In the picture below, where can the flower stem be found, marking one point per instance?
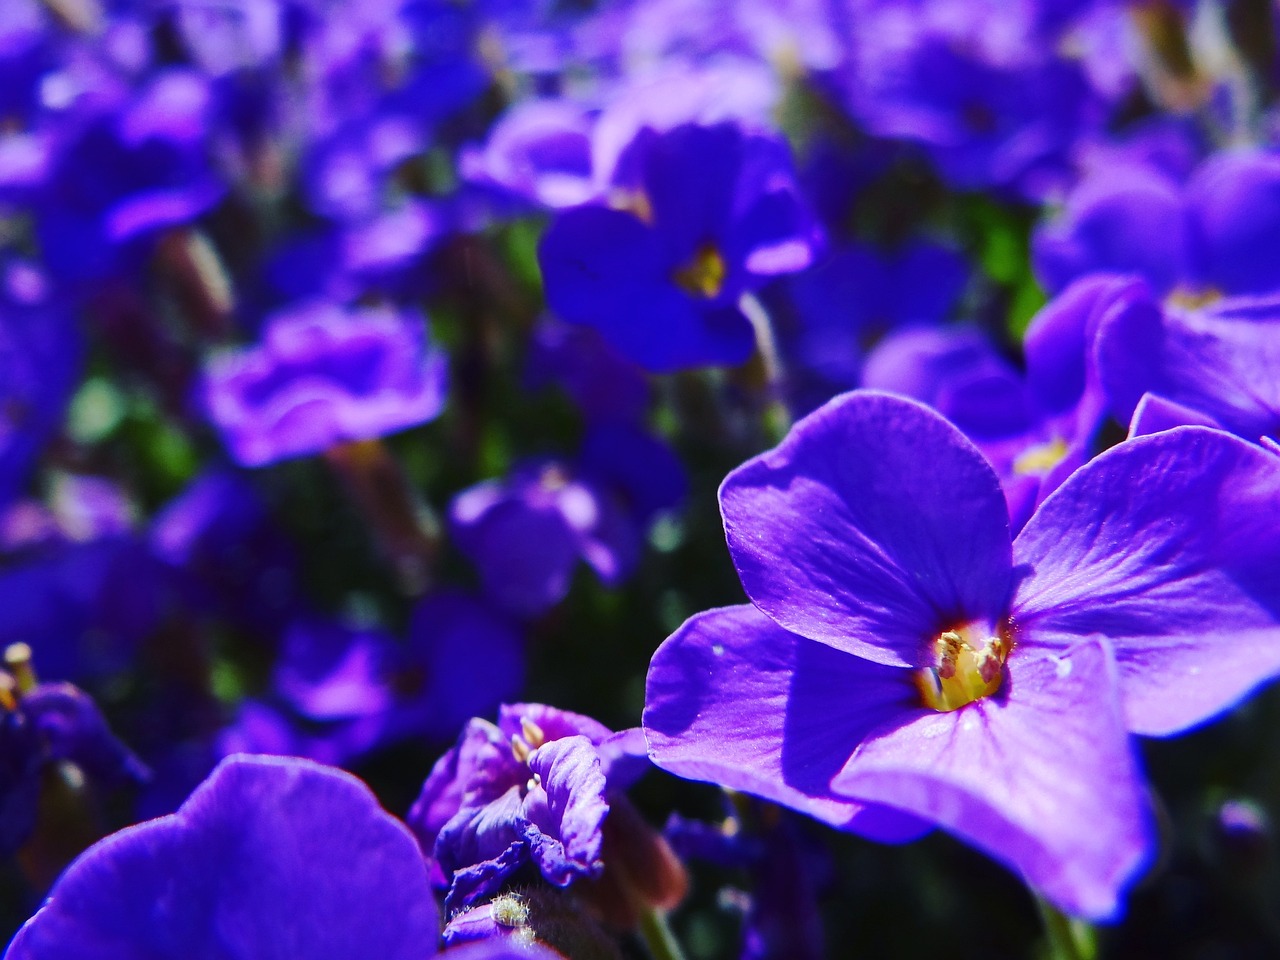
(1067, 938)
(657, 936)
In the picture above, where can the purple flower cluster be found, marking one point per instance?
(370, 369)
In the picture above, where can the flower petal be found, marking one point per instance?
(1040, 776)
(269, 858)
(1168, 545)
(734, 699)
(871, 527)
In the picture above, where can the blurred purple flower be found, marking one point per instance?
(324, 374)
(703, 215)
(1202, 237)
(269, 857)
(346, 691)
(1218, 365)
(902, 652)
(527, 533)
(41, 354)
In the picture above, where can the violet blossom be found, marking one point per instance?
(901, 654)
(701, 215)
(1205, 235)
(530, 790)
(268, 858)
(324, 374)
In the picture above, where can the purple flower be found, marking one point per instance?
(902, 653)
(858, 295)
(529, 790)
(270, 857)
(526, 534)
(324, 374)
(1206, 235)
(131, 172)
(708, 213)
(1219, 365)
(347, 691)
(979, 86)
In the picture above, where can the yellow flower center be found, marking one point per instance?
(968, 665)
(1039, 459)
(703, 275)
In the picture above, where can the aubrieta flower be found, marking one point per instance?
(324, 374)
(701, 215)
(527, 533)
(1204, 236)
(1218, 365)
(901, 651)
(531, 789)
(268, 858)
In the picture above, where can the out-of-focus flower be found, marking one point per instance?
(1219, 365)
(981, 87)
(269, 857)
(911, 656)
(344, 691)
(40, 359)
(1202, 237)
(44, 724)
(527, 533)
(236, 560)
(324, 374)
(701, 215)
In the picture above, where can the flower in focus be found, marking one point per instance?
(901, 651)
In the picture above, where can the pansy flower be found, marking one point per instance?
(903, 652)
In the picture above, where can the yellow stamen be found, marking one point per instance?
(17, 658)
(1040, 459)
(968, 665)
(532, 732)
(703, 275)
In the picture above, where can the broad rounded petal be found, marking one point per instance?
(1169, 545)
(1223, 361)
(1125, 220)
(1040, 776)
(1235, 198)
(270, 859)
(871, 527)
(734, 699)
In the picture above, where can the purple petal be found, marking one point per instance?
(269, 858)
(1040, 776)
(567, 808)
(1154, 413)
(1168, 545)
(871, 527)
(1235, 198)
(734, 699)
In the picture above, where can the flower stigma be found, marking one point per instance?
(703, 275)
(968, 665)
